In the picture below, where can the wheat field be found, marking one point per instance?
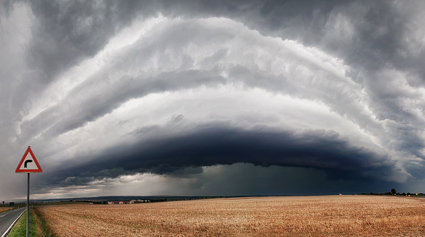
(3, 209)
(263, 216)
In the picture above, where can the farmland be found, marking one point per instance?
(264, 216)
(3, 209)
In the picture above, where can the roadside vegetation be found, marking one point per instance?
(41, 225)
(6, 207)
(20, 230)
(38, 227)
(3, 209)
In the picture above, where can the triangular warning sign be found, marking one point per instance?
(29, 163)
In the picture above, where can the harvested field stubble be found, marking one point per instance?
(266, 216)
(3, 209)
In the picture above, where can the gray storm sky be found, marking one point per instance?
(212, 97)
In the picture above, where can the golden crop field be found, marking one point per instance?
(264, 216)
(3, 209)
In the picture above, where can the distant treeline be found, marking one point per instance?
(71, 201)
(391, 194)
(106, 199)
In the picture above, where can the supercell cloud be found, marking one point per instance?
(212, 97)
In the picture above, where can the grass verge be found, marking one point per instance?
(20, 229)
(38, 227)
(43, 229)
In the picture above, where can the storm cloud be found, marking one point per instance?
(179, 97)
(216, 145)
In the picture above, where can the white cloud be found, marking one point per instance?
(168, 74)
(278, 83)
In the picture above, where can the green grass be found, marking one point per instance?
(20, 229)
(45, 230)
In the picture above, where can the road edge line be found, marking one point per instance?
(11, 226)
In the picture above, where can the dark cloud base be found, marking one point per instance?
(247, 179)
(214, 145)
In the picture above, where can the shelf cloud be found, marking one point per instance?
(297, 97)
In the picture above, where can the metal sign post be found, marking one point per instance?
(28, 164)
(28, 206)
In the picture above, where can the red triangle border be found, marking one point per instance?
(39, 170)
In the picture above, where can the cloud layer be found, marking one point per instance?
(192, 92)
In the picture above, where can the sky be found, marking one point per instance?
(199, 97)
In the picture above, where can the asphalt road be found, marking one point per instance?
(7, 218)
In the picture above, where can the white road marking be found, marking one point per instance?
(10, 227)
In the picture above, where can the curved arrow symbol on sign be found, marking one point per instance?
(26, 162)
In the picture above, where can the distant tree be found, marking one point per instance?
(393, 191)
